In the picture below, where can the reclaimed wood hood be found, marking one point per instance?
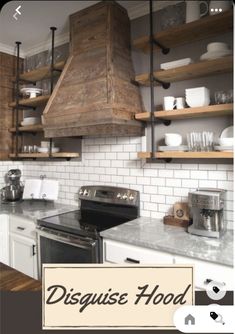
(95, 95)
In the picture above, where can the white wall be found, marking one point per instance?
(113, 161)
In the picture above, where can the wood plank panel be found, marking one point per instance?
(190, 32)
(191, 71)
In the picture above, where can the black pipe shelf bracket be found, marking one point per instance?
(164, 85)
(165, 50)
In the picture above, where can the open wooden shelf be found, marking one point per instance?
(191, 71)
(209, 111)
(187, 155)
(28, 128)
(41, 73)
(190, 32)
(34, 102)
(65, 155)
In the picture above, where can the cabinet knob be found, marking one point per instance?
(34, 252)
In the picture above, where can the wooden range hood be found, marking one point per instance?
(94, 95)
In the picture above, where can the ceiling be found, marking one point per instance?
(32, 26)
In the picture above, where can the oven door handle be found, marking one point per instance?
(71, 240)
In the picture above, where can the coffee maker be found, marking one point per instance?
(13, 191)
(207, 210)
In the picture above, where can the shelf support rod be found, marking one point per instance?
(53, 29)
(152, 118)
(17, 97)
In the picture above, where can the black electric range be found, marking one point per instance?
(75, 236)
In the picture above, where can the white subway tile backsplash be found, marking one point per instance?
(182, 174)
(217, 175)
(113, 161)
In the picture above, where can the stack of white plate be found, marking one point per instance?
(197, 97)
(176, 63)
(181, 148)
(216, 50)
(226, 140)
(30, 121)
(32, 92)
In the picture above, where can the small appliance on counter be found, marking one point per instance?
(207, 208)
(13, 191)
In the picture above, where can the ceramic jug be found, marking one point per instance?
(193, 11)
(217, 7)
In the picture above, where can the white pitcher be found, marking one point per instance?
(193, 12)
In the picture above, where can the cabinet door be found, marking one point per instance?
(4, 239)
(23, 255)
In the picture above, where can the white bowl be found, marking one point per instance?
(46, 149)
(217, 46)
(31, 121)
(226, 141)
(173, 139)
(197, 103)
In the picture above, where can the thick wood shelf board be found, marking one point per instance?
(34, 102)
(190, 32)
(28, 128)
(191, 71)
(187, 155)
(46, 155)
(209, 111)
(41, 73)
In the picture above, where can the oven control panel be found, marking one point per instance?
(109, 194)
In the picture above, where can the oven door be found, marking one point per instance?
(60, 247)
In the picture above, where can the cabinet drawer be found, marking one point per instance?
(23, 226)
(205, 270)
(117, 252)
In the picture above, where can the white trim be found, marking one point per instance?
(11, 50)
(143, 8)
(46, 45)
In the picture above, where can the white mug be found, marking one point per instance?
(169, 103)
(173, 139)
(193, 12)
(180, 102)
(217, 7)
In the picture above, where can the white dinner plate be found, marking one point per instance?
(224, 148)
(227, 132)
(215, 54)
(173, 148)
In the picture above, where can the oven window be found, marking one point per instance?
(52, 251)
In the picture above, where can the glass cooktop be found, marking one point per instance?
(88, 223)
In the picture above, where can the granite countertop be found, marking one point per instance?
(153, 234)
(36, 209)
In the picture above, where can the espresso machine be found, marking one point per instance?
(207, 210)
(13, 191)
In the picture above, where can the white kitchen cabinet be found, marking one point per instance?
(117, 252)
(208, 271)
(4, 239)
(23, 248)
